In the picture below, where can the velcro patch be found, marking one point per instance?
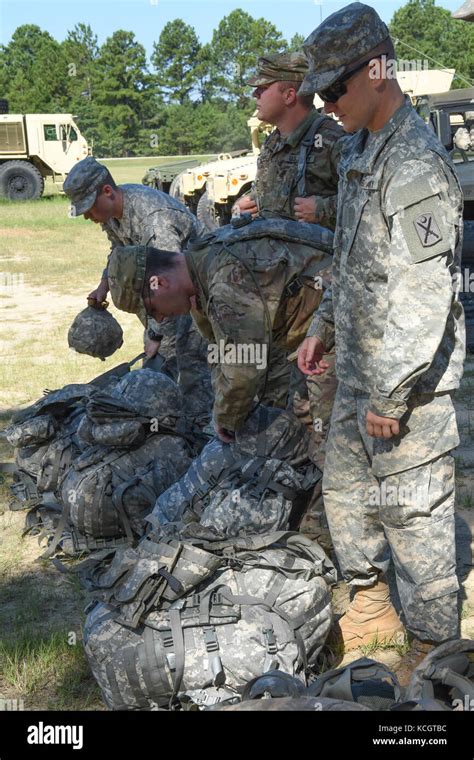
(427, 229)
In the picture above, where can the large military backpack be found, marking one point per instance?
(45, 436)
(190, 618)
(251, 486)
(112, 485)
(444, 680)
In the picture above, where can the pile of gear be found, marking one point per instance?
(85, 458)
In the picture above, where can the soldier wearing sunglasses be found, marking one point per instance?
(398, 327)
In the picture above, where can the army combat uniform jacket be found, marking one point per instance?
(263, 294)
(393, 308)
(300, 165)
(151, 217)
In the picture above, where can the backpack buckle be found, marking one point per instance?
(293, 287)
(269, 634)
(210, 639)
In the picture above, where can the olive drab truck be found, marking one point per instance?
(36, 146)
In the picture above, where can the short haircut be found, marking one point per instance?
(159, 261)
(109, 180)
(305, 100)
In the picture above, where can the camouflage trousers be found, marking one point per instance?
(185, 351)
(395, 497)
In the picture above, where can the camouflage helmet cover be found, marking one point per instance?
(95, 332)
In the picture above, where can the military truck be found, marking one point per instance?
(36, 146)
(197, 185)
(451, 114)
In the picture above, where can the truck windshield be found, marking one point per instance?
(68, 132)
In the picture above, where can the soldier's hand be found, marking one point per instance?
(246, 204)
(151, 347)
(98, 296)
(305, 209)
(381, 427)
(310, 357)
(227, 436)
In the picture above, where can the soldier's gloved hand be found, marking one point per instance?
(381, 427)
(98, 296)
(227, 436)
(246, 204)
(305, 209)
(310, 357)
(151, 347)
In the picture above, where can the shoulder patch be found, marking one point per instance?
(427, 229)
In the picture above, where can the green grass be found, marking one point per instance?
(33, 662)
(134, 169)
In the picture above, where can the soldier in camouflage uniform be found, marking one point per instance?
(235, 302)
(297, 179)
(394, 314)
(137, 215)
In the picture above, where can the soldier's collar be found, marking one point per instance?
(124, 221)
(365, 151)
(196, 279)
(294, 138)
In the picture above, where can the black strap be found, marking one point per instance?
(305, 148)
(179, 651)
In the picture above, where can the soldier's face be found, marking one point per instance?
(103, 208)
(164, 296)
(271, 102)
(355, 108)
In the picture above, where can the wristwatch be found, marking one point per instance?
(154, 335)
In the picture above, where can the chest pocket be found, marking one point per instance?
(357, 191)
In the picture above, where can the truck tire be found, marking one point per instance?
(20, 181)
(206, 213)
(175, 188)
(3, 106)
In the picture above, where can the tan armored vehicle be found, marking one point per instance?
(36, 146)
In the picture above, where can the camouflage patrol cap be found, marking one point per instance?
(342, 38)
(282, 67)
(95, 332)
(126, 276)
(82, 183)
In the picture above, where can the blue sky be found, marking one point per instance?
(146, 18)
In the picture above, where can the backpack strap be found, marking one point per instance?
(305, 148)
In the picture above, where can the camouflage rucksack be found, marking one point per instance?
(444, 680)
(45, 438)
(250, 486)
(196, 619)
(112, 485)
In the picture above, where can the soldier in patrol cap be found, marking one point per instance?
(394, 314)
(297, 166)
(297, 178)
(137, 215)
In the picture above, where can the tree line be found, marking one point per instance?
(188, 97)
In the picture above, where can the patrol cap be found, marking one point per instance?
(126, 276)
(82, 183)
(343, 38)
(291, 67)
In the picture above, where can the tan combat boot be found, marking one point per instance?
(371, 617)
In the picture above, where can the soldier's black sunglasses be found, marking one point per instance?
(338, 89)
